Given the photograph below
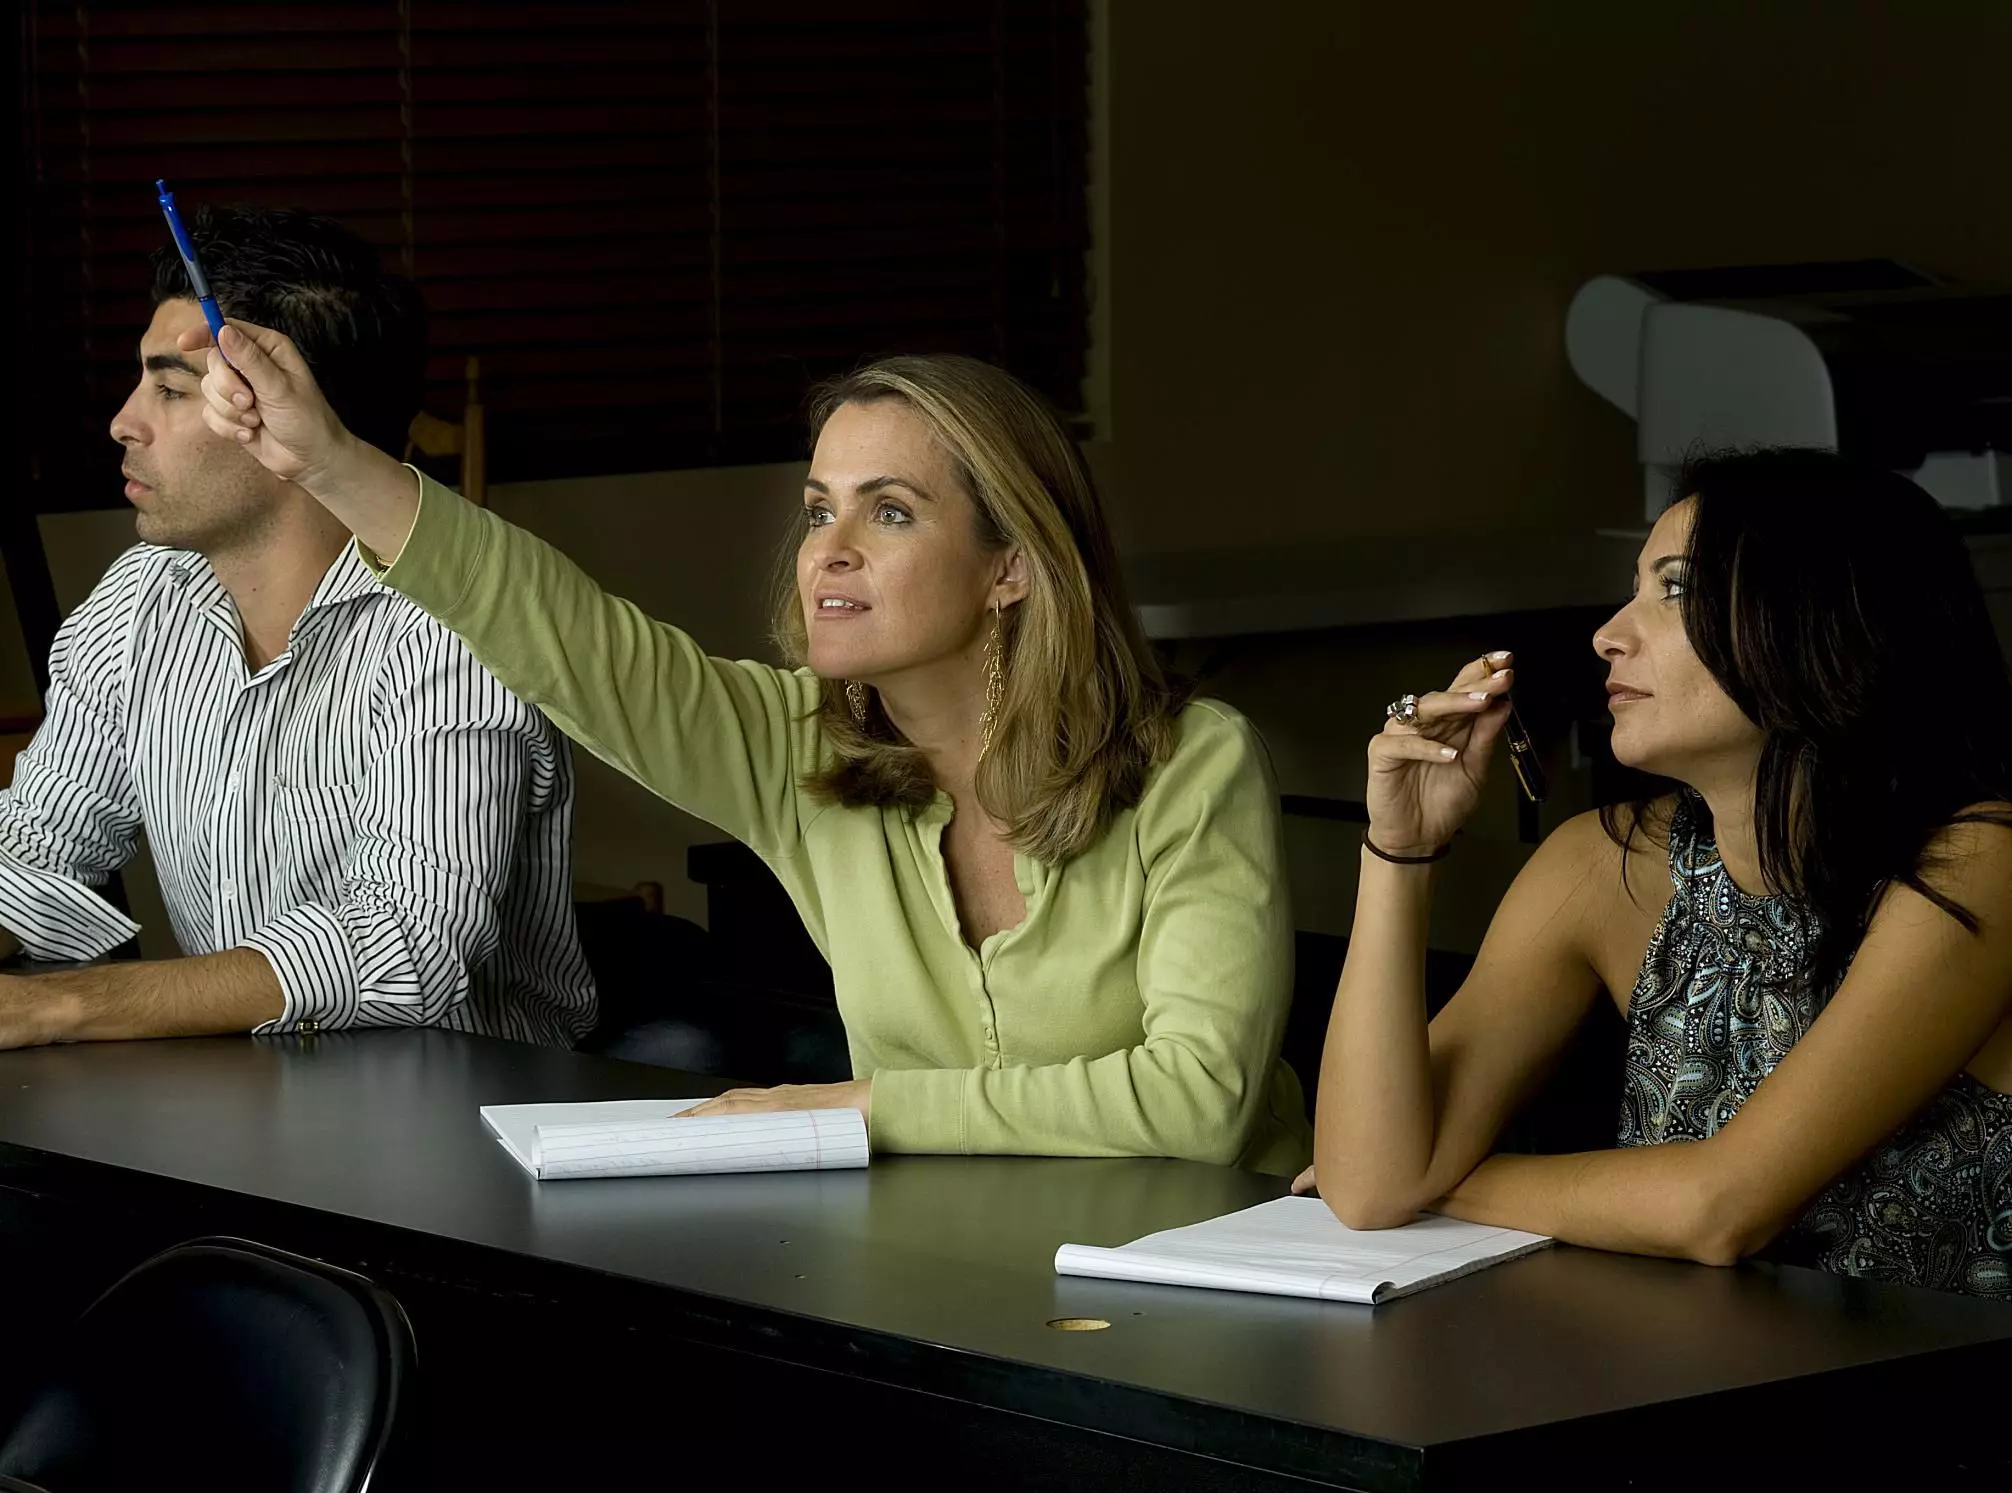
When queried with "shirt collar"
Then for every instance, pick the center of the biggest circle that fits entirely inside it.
(346, 579)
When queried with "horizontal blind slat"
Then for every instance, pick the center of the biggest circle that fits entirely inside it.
(551, 176)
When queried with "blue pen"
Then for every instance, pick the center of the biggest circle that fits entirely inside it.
(198, 281)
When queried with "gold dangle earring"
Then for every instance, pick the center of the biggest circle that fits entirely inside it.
(855, 698)
(995, 684)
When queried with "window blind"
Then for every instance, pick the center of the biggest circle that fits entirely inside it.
(654, 223)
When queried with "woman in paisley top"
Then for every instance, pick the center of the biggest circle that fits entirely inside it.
(1815, 924)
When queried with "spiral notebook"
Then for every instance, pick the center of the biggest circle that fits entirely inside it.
(646, 1138)
(1296, 1247)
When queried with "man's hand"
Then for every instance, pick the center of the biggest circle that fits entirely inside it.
(858, 1094)
(33, 1012)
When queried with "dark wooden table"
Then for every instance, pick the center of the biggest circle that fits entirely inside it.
(892, 1325)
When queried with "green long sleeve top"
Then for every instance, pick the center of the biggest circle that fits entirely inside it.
(1136, 1011)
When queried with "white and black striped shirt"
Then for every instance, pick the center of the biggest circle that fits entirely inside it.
(371, 811)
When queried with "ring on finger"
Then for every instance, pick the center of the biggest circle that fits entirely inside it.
(1403, 710)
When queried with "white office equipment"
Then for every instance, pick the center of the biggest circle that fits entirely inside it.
(1869, 358)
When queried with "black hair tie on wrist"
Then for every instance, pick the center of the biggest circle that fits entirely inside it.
(1406, 860)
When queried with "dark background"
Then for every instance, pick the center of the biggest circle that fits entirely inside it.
(655, 222)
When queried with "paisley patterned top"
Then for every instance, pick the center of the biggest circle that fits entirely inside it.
(1716, 1007)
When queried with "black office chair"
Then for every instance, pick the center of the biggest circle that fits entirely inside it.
(222, 1366)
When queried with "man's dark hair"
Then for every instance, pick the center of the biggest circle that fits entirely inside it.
(362, 331)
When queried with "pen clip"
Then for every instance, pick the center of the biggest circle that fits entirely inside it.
(1523, 759)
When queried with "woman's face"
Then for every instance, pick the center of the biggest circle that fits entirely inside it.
(890, 573)
(1670, 715)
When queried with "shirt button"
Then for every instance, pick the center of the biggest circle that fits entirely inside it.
(229, 889)
(309, 1027)
(231, 782)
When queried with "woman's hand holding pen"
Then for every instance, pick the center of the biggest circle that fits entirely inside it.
(1426, 772)
(1426, 778)
(266, 400)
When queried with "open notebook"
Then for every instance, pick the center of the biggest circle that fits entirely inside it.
(1296, 1247)
(643, 1138)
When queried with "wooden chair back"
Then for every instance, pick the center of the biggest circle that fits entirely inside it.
(432, 436)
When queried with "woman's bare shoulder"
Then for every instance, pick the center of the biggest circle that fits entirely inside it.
(1609, 872)
(1969, 860)
(1627, 841)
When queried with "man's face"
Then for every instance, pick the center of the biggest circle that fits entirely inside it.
(192, 489)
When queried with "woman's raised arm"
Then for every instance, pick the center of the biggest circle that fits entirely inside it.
(266, 399)
(725, 741)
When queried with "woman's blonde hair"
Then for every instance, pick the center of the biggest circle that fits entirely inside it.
(1086, 713)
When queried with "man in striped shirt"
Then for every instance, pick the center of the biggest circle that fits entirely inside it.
(353, 823)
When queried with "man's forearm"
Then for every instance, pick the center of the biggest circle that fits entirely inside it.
(234, 991)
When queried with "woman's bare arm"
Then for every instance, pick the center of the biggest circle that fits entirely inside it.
(1407, 1110)
(1923, 997)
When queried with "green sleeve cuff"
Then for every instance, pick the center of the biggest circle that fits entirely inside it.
(441, 554)
(919, 1110)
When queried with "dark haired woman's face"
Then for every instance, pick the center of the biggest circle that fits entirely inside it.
(1670, 715)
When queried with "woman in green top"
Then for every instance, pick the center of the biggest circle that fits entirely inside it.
(1049, 889)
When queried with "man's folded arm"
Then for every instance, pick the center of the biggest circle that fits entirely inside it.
(71, 819)
(205, 995)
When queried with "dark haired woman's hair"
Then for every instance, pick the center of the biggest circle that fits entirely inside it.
(1836, 605)
(361, 330)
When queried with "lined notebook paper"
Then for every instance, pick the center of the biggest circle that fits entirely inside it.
(644, 1138)
(1296, 1247)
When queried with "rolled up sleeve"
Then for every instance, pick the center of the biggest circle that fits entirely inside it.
(459, 767)
(71, 819)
